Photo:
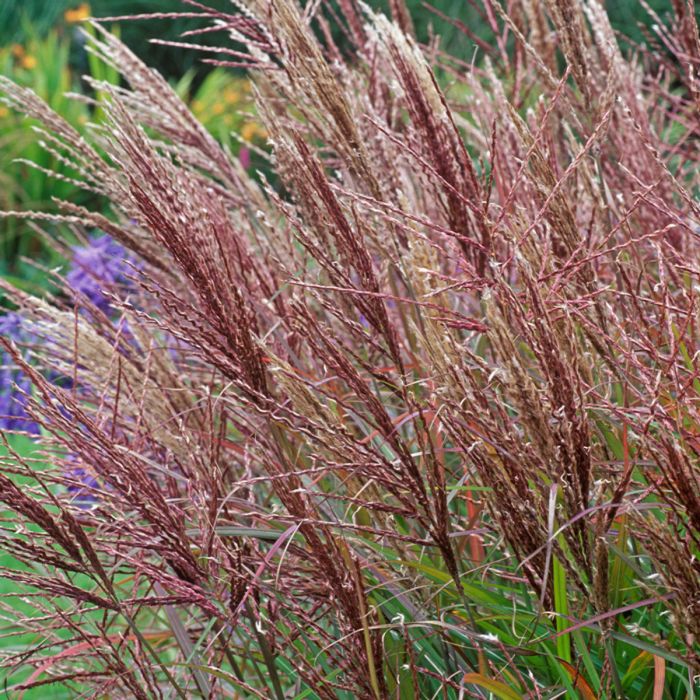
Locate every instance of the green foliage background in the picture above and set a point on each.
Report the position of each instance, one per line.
(44, 14)
(39, 27)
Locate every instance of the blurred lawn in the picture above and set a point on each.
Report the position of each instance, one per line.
(26, 447)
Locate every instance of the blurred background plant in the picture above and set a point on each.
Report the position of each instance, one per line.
(45, 15)
(222, 102)
(41, 63)
(42, 47)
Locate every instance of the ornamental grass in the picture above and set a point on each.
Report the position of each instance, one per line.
(410, 411)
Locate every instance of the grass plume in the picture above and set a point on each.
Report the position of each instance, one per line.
(417, 419)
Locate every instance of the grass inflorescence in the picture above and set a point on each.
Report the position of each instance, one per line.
(410, 412)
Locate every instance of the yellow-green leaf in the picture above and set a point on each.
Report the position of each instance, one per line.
(500, 690)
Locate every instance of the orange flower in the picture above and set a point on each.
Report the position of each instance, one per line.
(250, 131)
(17, 50)
(231, 96)
(28, 62)
(77, 14)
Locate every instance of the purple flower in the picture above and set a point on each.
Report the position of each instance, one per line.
(14, 384)
(96, 267)
(244, 157)
(83, 490)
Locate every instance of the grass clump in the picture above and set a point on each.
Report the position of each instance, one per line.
(418, 421)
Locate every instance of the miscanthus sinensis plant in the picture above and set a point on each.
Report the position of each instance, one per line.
(421, 420)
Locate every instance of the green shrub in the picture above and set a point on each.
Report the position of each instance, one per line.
(43, 65)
